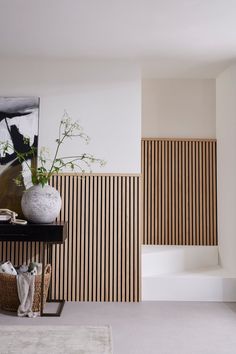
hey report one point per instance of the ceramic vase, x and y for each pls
(41, 204)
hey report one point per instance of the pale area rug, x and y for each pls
(55, 340)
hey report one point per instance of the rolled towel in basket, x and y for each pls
(35, 268)
(25, 288)
(7, 267)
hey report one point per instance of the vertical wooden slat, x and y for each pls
(190, 189)
(152, 199)
(207, 196)
(197, 197)
(70, 257)
(61, 249)
(82, 233)
(78, 237)
(127, 241)
(187, 232)
(163, 182)
(123, 237)
(91, 238)
(204, 211)
(169, 194)
(214, 194)
(107, 235)
(138, 238)
(143, 172)
(86, 239)
(201, 193)
(159, 193)
(180, 195)
(115, 242)
(176, 242)
(156, 193)
(66, 248)
(194, 191)
(136, 243)
(74, 210)
(103, 242)
(173, 195)
(131, 224)
(111, 238)
(99, 241)
(95, 245)
(166, 215)
(183, 194)
(57, 251)
(119, 241)
(211, 193)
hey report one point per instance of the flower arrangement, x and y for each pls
(68, 129)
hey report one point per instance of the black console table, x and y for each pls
(48, 234)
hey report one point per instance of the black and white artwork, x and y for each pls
(19, 118)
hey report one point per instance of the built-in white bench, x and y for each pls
(185, 273)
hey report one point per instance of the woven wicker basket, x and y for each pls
(9, 300)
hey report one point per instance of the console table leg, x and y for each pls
(60, 303)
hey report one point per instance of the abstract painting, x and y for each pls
(19, 119)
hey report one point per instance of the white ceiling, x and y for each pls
(169, 38)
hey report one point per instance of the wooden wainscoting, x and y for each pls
(179, 192)
(100, 260)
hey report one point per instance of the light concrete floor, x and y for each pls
(153, 327)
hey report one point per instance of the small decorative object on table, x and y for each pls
(41, 203)
(5, 218)
(8, 216)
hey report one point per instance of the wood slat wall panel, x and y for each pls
(100, 260)
(179, 191)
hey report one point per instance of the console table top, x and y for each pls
(56, 232)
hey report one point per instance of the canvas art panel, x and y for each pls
(19, 120)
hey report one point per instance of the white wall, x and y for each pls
(226, 142)
(178, 108)
(104, 96)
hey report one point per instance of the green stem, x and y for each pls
(60, 141)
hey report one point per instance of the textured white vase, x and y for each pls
(41, 204)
